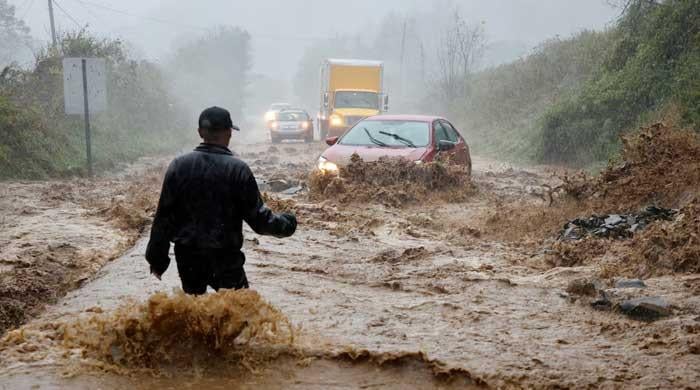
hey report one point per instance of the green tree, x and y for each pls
(649, 66)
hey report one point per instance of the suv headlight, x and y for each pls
(326, 166)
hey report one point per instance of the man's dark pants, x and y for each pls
(202, 267)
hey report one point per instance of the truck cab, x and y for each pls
(350, 91)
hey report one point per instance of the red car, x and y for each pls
(414, 137)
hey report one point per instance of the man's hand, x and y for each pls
(291, 226)
(158, 275)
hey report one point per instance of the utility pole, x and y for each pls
(403, 52)
(422, 62)
(53, 24)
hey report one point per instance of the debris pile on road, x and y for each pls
(669, 247)
(614, 225)
(393, 182)
(660, 165)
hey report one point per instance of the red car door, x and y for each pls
(461, 150)
(442, 133)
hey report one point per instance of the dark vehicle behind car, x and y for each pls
(291, 124)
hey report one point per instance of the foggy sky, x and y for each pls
(281, 29)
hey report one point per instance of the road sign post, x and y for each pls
(84, 87)
(86, 100)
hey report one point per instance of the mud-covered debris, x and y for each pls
(335, 186)
(591, 291)
(585, 287)
(392, 256)
(279, 205)
(293, 190)
(646, 308)
(659, 164)
(276, 185)
(668, 247)
(393, 182)
(614, 225)
(279, 185)
(630, 283)
(602, 302)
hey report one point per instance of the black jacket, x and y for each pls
(205, 197)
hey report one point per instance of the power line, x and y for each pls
(67, 14)
(26, 12)
(90, 11)
(190, 26)
(156, 20)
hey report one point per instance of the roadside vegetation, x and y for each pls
(570, 100)
(151, 108)
(567, 101)
(39, 140)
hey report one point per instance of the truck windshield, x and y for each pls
(351, 99)
(388, 133)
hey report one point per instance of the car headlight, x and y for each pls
(326, 166)
(305, 125)
(274, 125)
(270, 116)
(336, 120)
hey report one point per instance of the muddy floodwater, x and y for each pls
(371, 296)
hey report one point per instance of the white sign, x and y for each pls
(96, 73)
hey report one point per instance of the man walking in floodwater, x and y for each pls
(206, 196)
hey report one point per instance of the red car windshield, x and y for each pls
(388, 133)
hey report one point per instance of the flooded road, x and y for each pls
(383, 297)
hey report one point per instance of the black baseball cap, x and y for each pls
(216, 118)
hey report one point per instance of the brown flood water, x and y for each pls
(376, 297)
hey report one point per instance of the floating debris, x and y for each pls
(614, 225)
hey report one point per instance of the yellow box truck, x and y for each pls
(350, 91)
